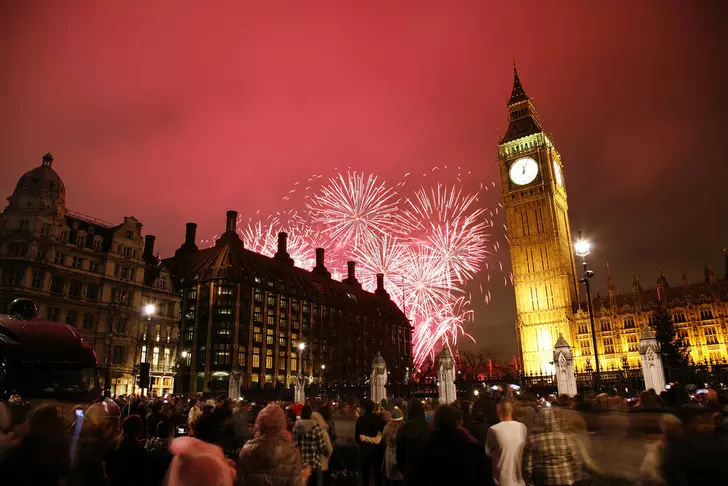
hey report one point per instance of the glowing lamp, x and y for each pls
(184, 354)
(582, 247)
(149, 310)
(301, 346)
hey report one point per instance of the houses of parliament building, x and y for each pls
(545, 278)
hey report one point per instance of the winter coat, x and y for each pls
(269, 461)
(410, 438)
(448, 457)
(368, 425)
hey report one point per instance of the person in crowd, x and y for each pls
(504, 445)
(154, 416)
(325, 458)
(411, 436)
(197, 463)
(370, 456)
(270, 459)
(695, 454)
(127, 463)
(42, 456)
(389, 437)
(311, 442)
(448, 456)
(157, 449)
(241, 423)
(207, 428)
(96, 438)
(550, 456)
(6, 425)
(193, 415)
(479, 425)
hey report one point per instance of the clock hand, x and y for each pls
(524, 170)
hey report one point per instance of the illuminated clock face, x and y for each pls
(523, 171)
(557, 174)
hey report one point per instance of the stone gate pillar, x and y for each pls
(299, 393)
(651, 361)
(564, 366)
(234, 385)
(446, 377)
(378, 379)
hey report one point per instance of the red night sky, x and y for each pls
(172, 112)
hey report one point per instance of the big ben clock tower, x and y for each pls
(537, 217)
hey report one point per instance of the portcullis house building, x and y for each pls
(258, 322)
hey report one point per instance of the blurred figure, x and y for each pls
(550, 457)
(325, 463)
(269, 459)
(154, 417)
(127, 463)
(196, 463)
(311, 442)
(206, 427)
(370, 455)
(505, 443)
(42, 457)
(447, 456)
(241, 423)
(410, 438)
(480, 423)
(391, 431)
(157, 449)
(193, 415)
(697, 455)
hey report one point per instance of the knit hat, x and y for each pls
(396, 414)
(197, 463)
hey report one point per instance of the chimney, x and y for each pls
(190, 233)
(380, 286)
(351, 275)
(232, 222)
(148, 255)
(189, 244)
(282, 253)
(320, 268)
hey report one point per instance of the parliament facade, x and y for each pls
(254, 322)
(92, 275)
(546, 285)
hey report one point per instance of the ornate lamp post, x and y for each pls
(582, 248)
(107, 374)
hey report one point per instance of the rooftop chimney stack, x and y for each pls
(282, 253)
(351, 275)
(190, 232)
(148, 255)
(232, 221)
(320, 268)
(189, 244)
(380, 286)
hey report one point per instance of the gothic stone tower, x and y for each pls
(537, 217)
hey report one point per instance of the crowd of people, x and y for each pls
(499, 440)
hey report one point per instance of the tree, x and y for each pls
(673, 349)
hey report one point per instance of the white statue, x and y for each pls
(446, 377)
(378, 379)
(564, 364)
(651, 361)
(300, 389)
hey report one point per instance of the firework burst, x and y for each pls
(428, 244)
(353, 208)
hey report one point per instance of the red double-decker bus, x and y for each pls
(43, 360)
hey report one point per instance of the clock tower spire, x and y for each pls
(542, 257)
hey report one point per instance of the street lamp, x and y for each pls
(582, 248)
(184, 354)
(148, 311)
(301, 346)
(107, 375)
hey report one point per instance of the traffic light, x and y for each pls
(144, 375)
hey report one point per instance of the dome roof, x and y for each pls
(41, 180)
